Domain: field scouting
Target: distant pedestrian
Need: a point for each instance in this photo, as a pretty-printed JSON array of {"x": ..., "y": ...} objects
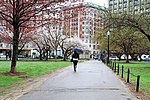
[
  {"x": 75, "y": 58},
  {"x": 7, "y": 55}
]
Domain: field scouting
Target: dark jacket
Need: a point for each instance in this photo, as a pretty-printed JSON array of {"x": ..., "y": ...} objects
[{"x": 75, "y": 55}]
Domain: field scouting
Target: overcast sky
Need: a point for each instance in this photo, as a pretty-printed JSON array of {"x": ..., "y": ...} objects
[{"x": 99, "y": 2}]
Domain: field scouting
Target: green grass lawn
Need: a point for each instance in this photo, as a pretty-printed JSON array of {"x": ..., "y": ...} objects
[
  {"x": 33, "y": 69},
  {"x": 138, "y": 68}
]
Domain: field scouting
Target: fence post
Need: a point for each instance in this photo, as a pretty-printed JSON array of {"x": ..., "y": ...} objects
[
  {"x": 128, "y": 75},
  {"x": 110, "y": 64},
  {"x": 122, "y": 71},
  {"x": 115, "y": 67},
  {"x": 138, "y": 83},
  {"x": 118, "y": 70}
]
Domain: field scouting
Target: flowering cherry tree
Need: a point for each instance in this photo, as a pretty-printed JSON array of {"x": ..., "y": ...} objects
[{"x": 69, "y": 44}]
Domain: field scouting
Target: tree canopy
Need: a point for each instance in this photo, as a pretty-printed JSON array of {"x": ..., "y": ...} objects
[{"x": 139, "y": 21}]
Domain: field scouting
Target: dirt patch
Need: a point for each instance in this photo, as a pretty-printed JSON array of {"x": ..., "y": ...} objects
[
  {"x": 12, "y": 74},
  {"x": 140, "y": 95}
]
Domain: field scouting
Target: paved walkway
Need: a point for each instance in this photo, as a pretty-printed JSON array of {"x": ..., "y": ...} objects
[{"x": 92, "y": 81}]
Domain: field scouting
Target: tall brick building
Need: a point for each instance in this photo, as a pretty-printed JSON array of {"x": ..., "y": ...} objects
[{"x": 85, "y": 24}]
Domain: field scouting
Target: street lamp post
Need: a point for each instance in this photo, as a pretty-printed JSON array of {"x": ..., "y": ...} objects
[{"x": 108, "y": 33}]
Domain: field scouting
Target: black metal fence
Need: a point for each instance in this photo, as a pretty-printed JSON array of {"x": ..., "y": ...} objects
[{"x": 117, "y": 69}]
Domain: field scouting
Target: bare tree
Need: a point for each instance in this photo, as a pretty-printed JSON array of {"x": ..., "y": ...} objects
[
  {"x": 70, "y": 44},
  {"x": 54, "y": 36},
  {"x": 16, "y": 15},
  {"x": 67, "y": 47},
  {"x": 40, "y": 42}
]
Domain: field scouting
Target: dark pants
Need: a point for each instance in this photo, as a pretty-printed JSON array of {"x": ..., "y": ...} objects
[{"x": 75, "y": 65}]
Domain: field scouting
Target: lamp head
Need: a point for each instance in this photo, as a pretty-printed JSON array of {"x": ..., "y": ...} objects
[{"x": 108, "y": 33}]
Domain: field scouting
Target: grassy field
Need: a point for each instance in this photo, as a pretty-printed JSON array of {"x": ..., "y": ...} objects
[
  {"x": 32, "y": 69},
  {"x": 138, "y": 68}
]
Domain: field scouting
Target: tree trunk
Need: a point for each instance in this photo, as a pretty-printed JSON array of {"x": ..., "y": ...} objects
[
  {"x": 140, "y": 56},
  {"x": 56, "y": 55},
  {"x": 63, "y": 52},
  {"x": 119, "y": 56},
  {"x": 65, "y": 55},
  {"x": 40, "y": 55},
  {"x": 132, "y": 56},
  {"x": 14, "y": 54},
  {"x": 46, "y": 55},
  {"x": 127, "y": 60},
  {"x": 64, "y": 59}
]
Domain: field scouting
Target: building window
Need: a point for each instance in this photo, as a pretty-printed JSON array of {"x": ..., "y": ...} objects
[
  {"x": 82, "y": 37},
  {"x": 93, "y": 52},
  {"x": 93, "y": 46},
  {"x": 98, "y": 47},
  {"x": 87, "y": 31},
  {"x": 90, "y": 41},
  {"x": 86, "y": 41},
  {"x": 90, "y": 33},
  {"x": 86, "y": 37},
  {"x": 91, "y": 14}
]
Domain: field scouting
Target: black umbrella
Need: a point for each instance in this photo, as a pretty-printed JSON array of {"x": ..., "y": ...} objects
[{"x": 79, "y": 50}]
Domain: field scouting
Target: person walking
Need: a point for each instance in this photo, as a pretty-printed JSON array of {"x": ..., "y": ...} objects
[{"x": 75, "y": 58}]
